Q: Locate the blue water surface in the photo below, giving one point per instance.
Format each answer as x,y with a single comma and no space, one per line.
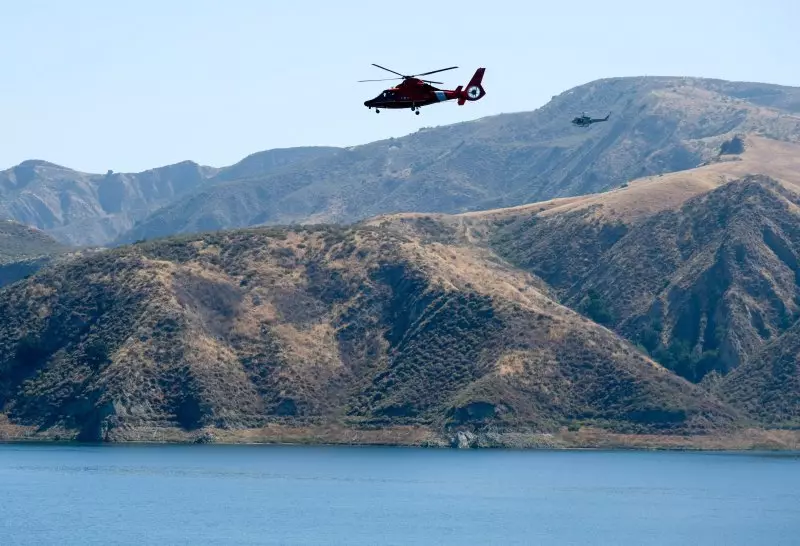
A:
211,494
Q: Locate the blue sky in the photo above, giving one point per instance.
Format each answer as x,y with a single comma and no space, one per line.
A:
98,85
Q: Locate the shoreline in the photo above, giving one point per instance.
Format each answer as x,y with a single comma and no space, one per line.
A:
743,440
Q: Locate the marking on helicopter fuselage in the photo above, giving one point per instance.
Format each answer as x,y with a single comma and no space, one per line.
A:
440,96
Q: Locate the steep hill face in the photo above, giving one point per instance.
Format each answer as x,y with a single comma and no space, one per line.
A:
698,270
91,209
363,328
768,386
704,287
24,250
657,125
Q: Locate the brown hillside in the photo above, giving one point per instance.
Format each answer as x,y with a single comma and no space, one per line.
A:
646,196
699,268
357,327
702,287
768,385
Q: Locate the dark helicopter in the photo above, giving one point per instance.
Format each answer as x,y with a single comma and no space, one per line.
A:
584,121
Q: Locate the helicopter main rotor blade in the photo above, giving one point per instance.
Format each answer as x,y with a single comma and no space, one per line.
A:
383,80
386,69
429,81
435,71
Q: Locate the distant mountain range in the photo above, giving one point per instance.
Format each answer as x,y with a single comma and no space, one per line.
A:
639,286
657,125
91,209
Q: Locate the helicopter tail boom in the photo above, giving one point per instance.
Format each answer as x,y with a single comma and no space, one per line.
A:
474,90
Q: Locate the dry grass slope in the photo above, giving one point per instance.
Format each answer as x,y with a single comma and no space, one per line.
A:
698,268
768,386
362,328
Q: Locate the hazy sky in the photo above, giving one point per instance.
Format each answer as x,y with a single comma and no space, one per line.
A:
98,85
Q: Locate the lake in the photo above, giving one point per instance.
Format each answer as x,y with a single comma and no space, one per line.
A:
212,494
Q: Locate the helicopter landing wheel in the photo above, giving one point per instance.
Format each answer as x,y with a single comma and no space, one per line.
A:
377,111
416,112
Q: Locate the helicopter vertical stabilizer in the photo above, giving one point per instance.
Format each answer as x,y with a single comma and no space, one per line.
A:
474,89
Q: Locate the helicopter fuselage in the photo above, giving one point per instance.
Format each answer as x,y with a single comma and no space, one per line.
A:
586,121
410,95
413,94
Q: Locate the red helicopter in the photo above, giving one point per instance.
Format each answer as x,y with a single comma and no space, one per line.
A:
415,93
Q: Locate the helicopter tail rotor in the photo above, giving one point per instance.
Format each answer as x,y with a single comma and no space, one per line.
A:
474,90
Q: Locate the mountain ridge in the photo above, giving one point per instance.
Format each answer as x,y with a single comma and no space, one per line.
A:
500,160
82,209
658,124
